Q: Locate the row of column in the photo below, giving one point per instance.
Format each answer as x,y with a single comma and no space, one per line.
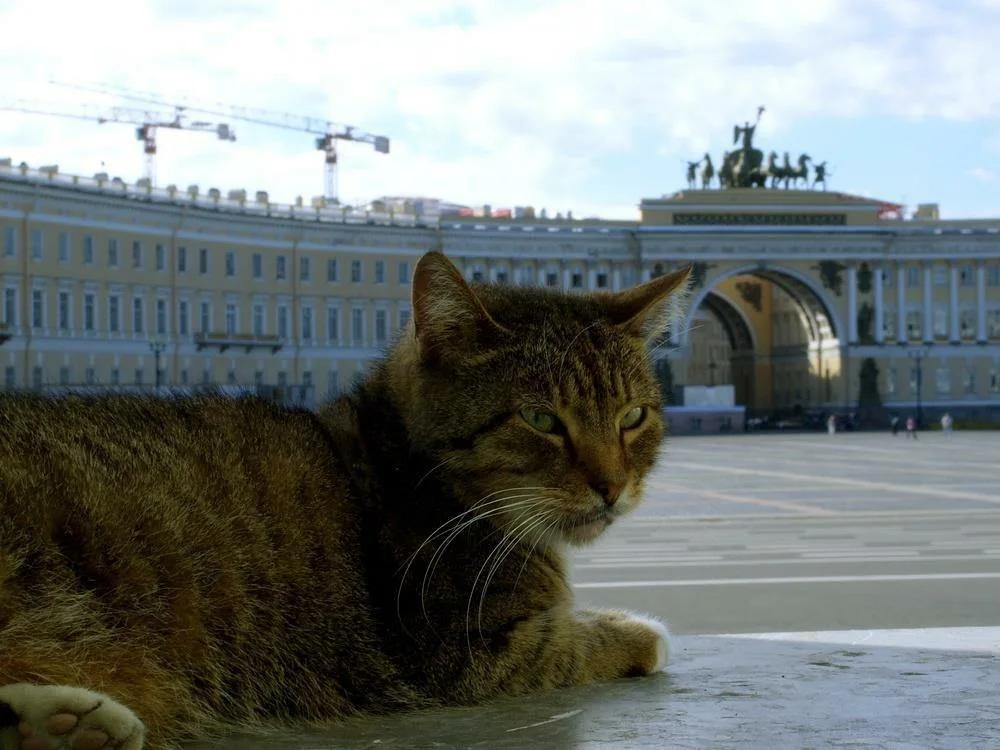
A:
927,310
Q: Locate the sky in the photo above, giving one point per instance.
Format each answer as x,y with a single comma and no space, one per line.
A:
586,106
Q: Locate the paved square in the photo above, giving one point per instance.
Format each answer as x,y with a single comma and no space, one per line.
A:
768,532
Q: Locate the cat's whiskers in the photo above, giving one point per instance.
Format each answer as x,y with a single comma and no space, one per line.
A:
544,533
422,479
443,529
534,522
500,550
438,555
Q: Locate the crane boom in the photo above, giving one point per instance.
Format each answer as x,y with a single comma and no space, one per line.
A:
148,121
329,132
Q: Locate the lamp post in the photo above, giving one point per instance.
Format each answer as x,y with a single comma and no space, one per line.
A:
917,355
157,346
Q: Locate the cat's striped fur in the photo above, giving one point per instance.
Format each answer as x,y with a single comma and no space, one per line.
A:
204,563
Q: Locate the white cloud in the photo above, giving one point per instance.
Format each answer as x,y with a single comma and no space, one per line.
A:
982,174
500,102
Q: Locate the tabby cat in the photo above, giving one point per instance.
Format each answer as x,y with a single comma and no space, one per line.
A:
172,567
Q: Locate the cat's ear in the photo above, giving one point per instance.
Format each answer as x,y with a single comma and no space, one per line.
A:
647,311
448,317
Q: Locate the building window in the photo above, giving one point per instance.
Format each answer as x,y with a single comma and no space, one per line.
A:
307,323
576,280
63,311
890,382
995,379
182,317
89,376
380,272
602,281
355,271
993,324
969,380
37,377
230,263
182,259
88,249
966,276
258,378
138,375
942,380
913,276
404,317
501,277
380,327
967,323
303,269
114,313
282,379
993,275
137,315
113,253
332,384
404,272
36,244
279,267
258,319
230,319
206,317
332,324
10,306
136,254
203,260
161,317
257,264
10,378
913,324
477,277
357,326
63,375
307,378
115,376
184,376
331,270
64,247
231,377
939,274
283,321
89,313
9,242
161,257
37,308
551,279
940,321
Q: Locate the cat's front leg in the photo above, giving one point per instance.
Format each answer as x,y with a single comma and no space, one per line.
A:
562,648
45,717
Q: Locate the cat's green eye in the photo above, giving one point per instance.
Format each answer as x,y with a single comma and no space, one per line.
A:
633,417
542,421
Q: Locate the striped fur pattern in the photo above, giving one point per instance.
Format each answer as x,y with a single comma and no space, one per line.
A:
208,564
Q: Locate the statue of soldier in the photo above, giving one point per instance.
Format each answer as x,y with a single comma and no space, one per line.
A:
692,173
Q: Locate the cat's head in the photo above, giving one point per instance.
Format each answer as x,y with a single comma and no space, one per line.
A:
540,408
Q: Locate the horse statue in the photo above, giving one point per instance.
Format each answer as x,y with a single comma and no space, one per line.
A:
727,176
802,172
692,172
707,172
820,174
774,170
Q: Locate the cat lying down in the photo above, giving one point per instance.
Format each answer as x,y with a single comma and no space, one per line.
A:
176,567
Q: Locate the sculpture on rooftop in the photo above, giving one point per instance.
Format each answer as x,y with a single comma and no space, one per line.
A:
744,167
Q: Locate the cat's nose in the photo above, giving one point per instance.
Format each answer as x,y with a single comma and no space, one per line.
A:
609,491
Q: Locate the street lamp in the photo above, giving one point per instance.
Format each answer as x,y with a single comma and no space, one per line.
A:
917,354
157,346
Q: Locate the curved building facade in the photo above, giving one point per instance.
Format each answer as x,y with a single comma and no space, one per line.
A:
802,300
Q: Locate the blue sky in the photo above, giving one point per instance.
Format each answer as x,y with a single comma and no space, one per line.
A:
587,105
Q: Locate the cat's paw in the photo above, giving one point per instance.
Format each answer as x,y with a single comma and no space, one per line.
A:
56,717
658,639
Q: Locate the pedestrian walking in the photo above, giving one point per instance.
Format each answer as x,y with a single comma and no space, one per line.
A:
946,423
831,424
911,428
894,423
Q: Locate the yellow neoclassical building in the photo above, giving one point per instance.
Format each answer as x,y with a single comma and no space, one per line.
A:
106,283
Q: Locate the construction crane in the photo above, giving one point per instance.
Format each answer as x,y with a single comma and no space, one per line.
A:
328,132
147,120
